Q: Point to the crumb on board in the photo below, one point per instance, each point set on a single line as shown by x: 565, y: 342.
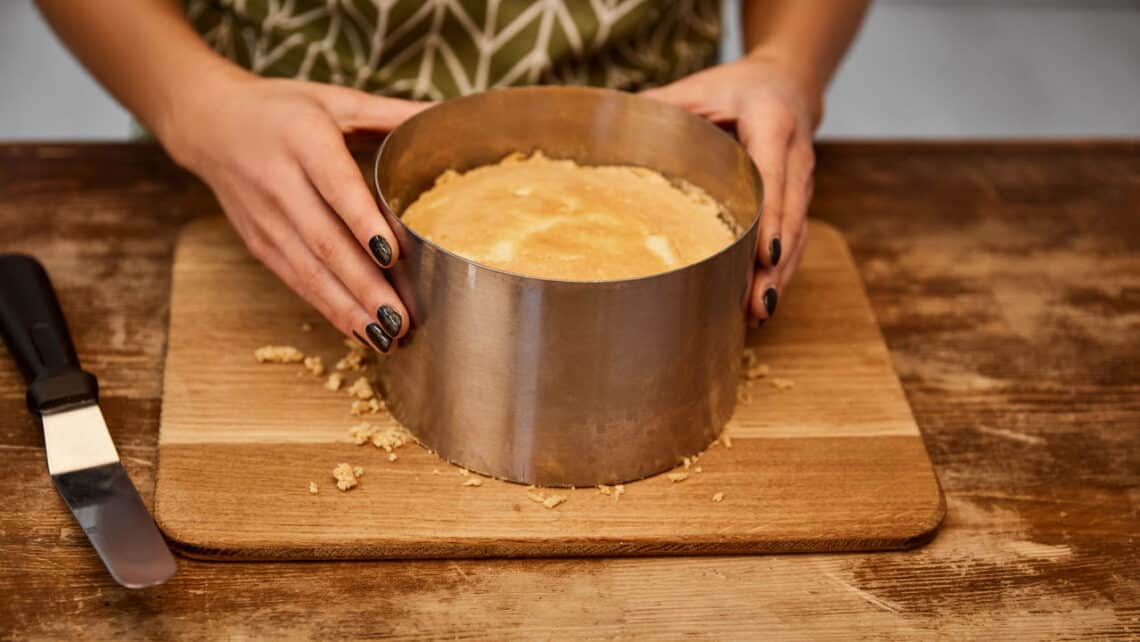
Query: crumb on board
x: 306, y: 326
x: 726, y: 440
x: 361, y: 389
x: 278, y: 354
x: 750, y: 366
x: 435, y: 471
x: 361, y: 407
x: 472, y: 481
x: 698, y: 469
x: 312, y: 488
x: 464, y: 472
x: 749, y: 358
x: 615, y: 491
x: 334, y: 382
x: 390, y: 437
x: 718, y: 498
x: 315, y: 365
x: 361, y: 432
x: 782, y: 384
x: 677, y: 477
x: 393, y: 456
x: 549, y: 501
x: 758, y: 371
x: 345, y: 476
x: 357, y: 471
x: 355, y: 358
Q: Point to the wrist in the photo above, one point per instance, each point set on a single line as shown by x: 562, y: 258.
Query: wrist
x: 180, y: 112
x: 801, y: 75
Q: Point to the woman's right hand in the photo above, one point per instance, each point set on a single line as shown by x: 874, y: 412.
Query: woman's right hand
x: 273, y: 152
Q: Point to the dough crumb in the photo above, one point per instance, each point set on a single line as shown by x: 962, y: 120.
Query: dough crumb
x: 306, y: 326
x: 361, y: 389
x: 312, y: 488
x: 360, y: 407
x: 726, y: 440
x: 687, y: 461
x: 677, y: 477
x: 749, y: 359
x: 718, y: 498
x: 472, y: 481
x: 758, y: 371
x: 361, y: 433
x: 315, y: 365
x: 549, y: 501
x: 464, y: 472
x: 435, y: 471
x: 615, y: 491
x: 782, y: 384
x: 357, y: 471
x: 699, y: 469
x: 393, y: 456
x: 355, y: 358
x: 334, y: 381
x: 344, y: 476
x: 391, y: 437
x: 278, y: 354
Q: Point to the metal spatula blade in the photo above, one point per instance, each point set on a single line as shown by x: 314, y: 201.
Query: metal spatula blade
x: 88, y: 475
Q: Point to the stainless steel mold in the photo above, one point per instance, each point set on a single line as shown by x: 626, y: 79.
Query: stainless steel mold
x: 562, y: 383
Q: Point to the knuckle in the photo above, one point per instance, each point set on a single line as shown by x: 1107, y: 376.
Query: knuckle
x: 324, y: 248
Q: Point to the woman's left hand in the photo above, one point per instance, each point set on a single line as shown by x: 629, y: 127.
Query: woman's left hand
x: 776, y: 112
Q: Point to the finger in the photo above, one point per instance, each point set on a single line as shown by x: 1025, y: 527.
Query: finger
x: 797, y: 189
x: 677, y: 93
x: 286, y: 254
x: 355, y: 110
x: 765, y: 294
x: 792, y: 262
x: 766, y: 135
x: 331, y: 243
x: 689, y: 94
x: 331, y: 169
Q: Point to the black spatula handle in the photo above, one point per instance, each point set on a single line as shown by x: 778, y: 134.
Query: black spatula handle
x: 36, y: 334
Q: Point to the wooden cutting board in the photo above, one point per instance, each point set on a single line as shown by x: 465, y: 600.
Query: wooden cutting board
x: 835, y: 463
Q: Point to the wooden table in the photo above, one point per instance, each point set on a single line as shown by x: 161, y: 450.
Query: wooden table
x: 1006, y: 278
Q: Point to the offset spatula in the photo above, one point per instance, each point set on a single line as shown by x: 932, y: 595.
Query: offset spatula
x: 82, y: 460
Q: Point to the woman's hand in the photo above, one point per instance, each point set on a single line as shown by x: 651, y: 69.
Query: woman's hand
x: 775, y: 112
x: 273, y: 151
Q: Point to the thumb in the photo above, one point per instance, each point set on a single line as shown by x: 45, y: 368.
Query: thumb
x: 356, y: 110
x: 680, y: 93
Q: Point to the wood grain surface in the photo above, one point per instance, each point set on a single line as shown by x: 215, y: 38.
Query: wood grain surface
x: 1006, y: 280
x: 835, y: 463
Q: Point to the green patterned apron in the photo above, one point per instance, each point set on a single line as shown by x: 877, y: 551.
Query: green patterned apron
x: 436, y: 49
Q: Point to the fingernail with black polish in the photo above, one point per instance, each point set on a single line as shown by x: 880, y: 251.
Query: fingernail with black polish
x: 381, y: 250
x: 770, y: 299
x: 382, y: 341
x: 390, y: 320
x: 774, y: 251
